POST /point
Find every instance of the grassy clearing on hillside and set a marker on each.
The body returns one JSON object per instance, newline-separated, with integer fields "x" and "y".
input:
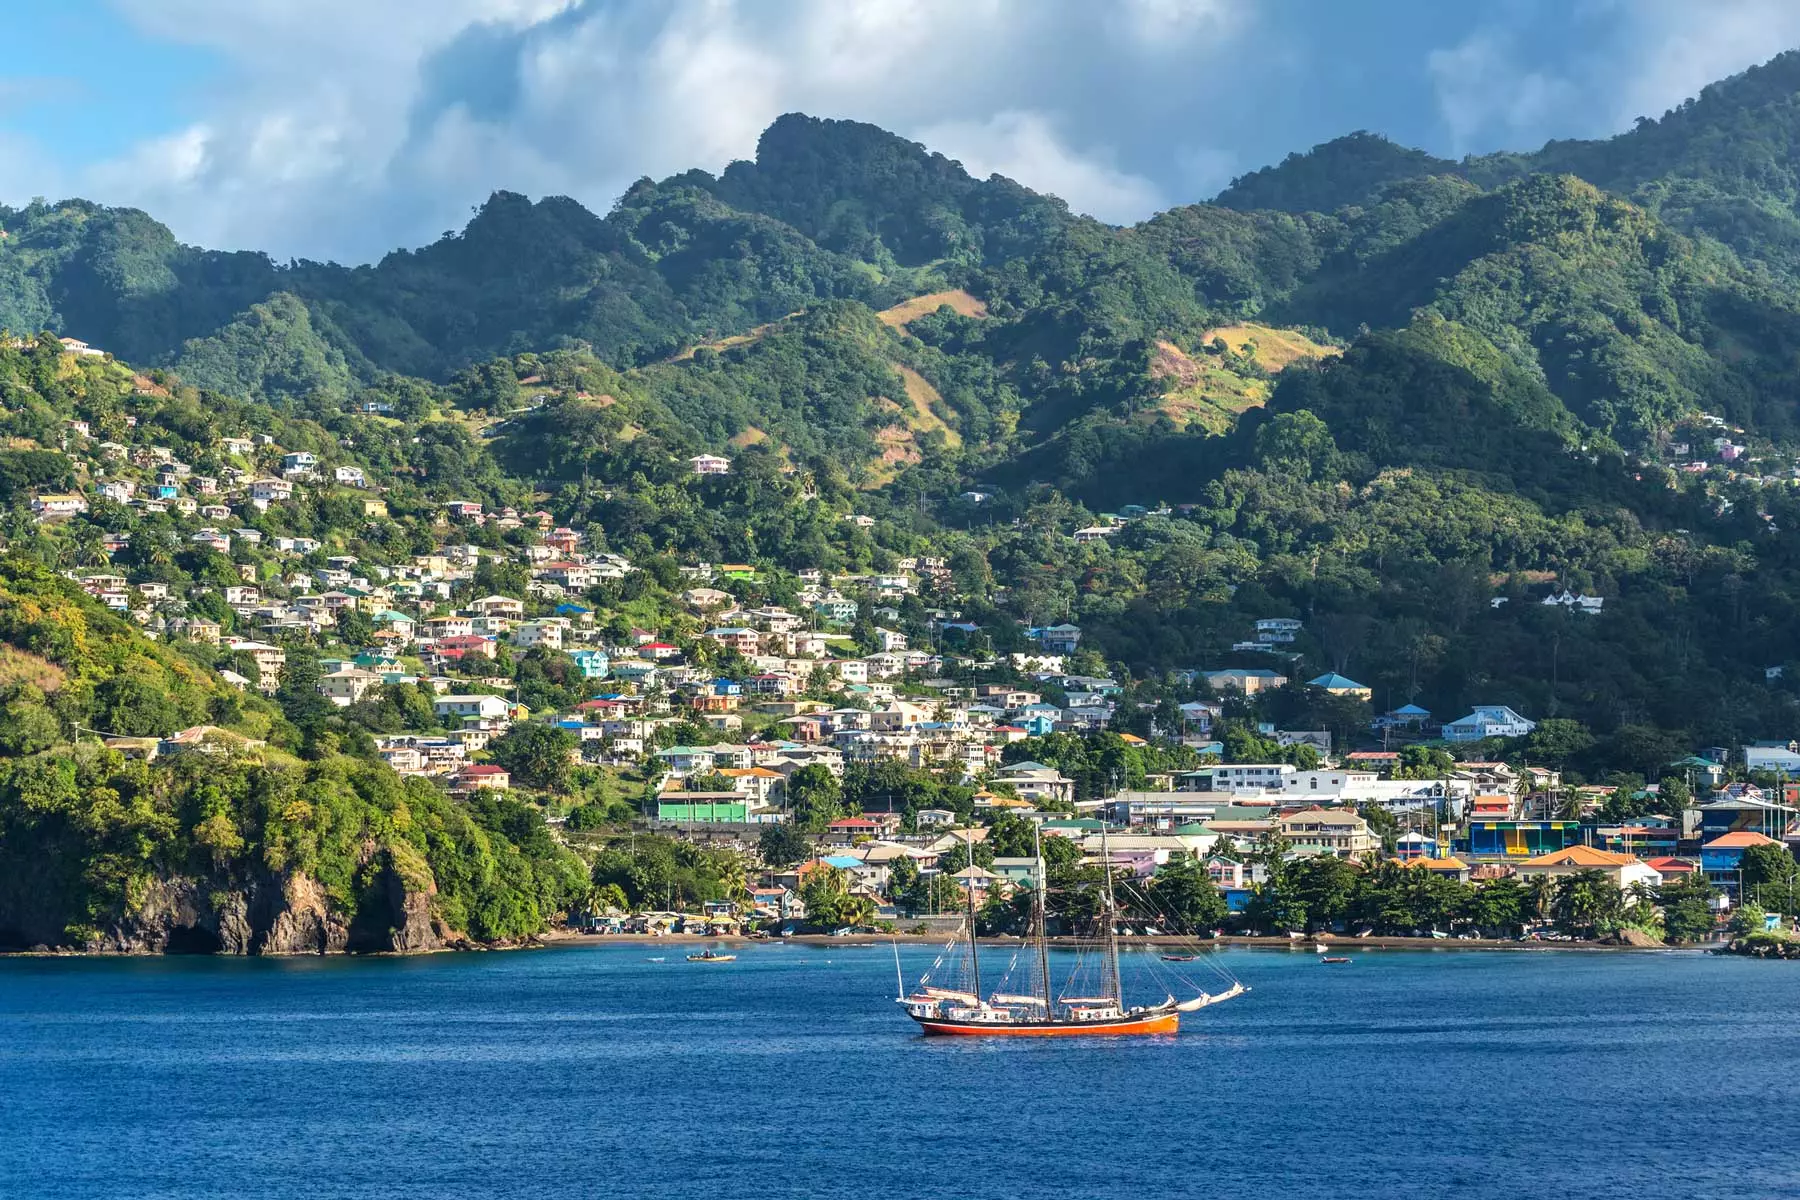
{"x": 907, "y": 311}
{"x": 1275, "y": 348}
{"x": 922, "y": 415}
{"x": 1208, "y": 393}
{"x": 736, "y": 339}
{"x": 21, "y": 666}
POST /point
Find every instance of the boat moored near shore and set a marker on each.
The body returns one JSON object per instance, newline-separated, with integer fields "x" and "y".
{"x": 1037, "y": 1010}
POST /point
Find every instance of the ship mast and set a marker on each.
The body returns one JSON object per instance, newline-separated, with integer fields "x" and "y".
{"x": 1111, "y": 917}
{"x": 969, "y": 892}
{"x": 1042, "y": 932}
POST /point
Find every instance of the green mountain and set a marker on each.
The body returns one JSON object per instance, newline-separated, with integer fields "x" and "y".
{"x": 1719, "y": 165}
{"x": 1366, "y": 386}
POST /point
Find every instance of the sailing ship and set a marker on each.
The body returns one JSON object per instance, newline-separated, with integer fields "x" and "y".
{"x": 1039, "y": 1011}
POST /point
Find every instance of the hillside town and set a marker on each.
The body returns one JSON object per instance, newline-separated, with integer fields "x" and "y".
{"x": 749, "y": 688}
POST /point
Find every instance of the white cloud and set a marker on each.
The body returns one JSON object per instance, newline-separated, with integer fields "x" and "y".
{"x": 1632, "y": 58}
{"x": 345, "y": 127}
{"x": 1024, "y": 146}
{"x": 1168, "y": 24}
{"x": 1484, "y": 95}
{"x": 1681, "y": 47}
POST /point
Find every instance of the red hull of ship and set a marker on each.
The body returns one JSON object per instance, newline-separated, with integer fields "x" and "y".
{"x": 1153, "y": 1023}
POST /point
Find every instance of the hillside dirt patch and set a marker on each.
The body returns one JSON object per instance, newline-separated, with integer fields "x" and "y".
{"x": 21, "y": 666}
{"x": 922, "y": 407}
{"x": 1275, "y": 348}
{"x": 908, "y": 311}
{"x": 736, "y": 339}
{"x": 1203, "y": 391}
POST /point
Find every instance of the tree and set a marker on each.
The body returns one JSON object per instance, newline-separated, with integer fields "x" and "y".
{"x": 1500, "y": 907}
{"x": 784, "y": 845}
{"x": 1556, "y": 740}
{"x": 1182, "y": 896}
{"x": 298, "y": 694}
{"x": 814, "y": 797}
{"x": 138, "y": 704}
{"x": 1586, "y": 904}
{"x": 355, "y": 628}
{"x": 1749, "y": 918}
{"x": 1424, "y": 762}
{"x": 1772, "y": 877}
{"x": 537, "y": 754}
{"x": 26, "y": 723}
{"x": 1673, "y": 794}
{"x": 1324, "y": 885}
{"x": 1687, "y": 908}
{"x": 825, "y": 893}
{"x": 1297, "y": 443}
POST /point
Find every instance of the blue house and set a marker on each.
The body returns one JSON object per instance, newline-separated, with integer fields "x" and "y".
{"x": 1519, "y": 839}
{"x": 1723, "y": 858}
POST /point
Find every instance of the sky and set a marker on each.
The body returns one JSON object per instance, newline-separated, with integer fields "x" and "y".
{"x": 340, "y": 129}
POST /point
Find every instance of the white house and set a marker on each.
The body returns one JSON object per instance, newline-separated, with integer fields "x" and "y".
{"x": 58, "y": 505}
{"x": 1238, "y": 777}
{"x": 1623, "y": 869}
{"x": 538, "y": 633}
{"x": 1591, "y": 605}
{"x": 709, "y": 464}
{"x": 487, "y": 708}
{"x": 1488, "y": 720}
{"x": 1773, "y": 756}
{"x": 1035, "y": 781}
{"x": 1272, "y": 630}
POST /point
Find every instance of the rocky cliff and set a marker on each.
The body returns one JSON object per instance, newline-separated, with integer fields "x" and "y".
{"x": 276, "y": 915}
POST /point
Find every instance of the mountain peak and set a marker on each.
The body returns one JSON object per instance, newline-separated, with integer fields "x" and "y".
{"x": 1332, "y": 175}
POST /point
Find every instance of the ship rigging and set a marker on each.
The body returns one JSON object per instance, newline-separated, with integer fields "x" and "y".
{"x": 1042, "y": 1009}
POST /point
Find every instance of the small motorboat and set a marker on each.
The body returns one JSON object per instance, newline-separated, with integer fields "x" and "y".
{"x": 707, "y": 956}
{"x": 1334, "y": 959}
{"x": 657, "y": 958}
{"x": 1178, "y": 958}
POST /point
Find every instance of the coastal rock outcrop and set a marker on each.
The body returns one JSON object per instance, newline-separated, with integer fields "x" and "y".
{"x": 289, "y": 914}
{"x": 1763, "y": 945}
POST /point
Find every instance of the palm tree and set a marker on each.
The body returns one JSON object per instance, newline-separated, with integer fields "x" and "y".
{"x": 857, "y": 910}
{"x": 734, "y": 881}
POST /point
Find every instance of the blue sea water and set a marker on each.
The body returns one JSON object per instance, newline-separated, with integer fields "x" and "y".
{"x": 593, "y": 1072}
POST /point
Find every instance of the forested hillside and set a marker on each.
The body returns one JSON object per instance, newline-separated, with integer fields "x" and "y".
{"x": 1402, "y": 399}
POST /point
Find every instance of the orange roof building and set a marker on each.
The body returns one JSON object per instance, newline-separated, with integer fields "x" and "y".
{"x": 1623, "y": 869}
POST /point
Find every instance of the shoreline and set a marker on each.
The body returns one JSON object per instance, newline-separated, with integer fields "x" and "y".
{"x": 1155, "y": 942}
{"x": 560, "y": 938}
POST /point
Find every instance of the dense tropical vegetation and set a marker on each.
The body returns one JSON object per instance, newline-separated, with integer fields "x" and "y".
{"x": 1399, "y": 397}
